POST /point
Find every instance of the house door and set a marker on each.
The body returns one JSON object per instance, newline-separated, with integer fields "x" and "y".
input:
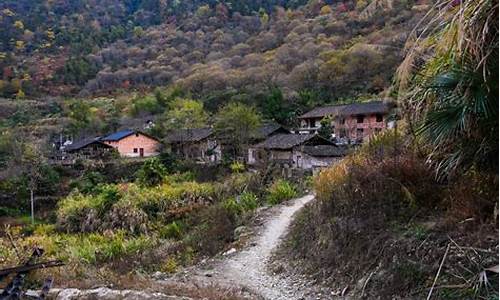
{"x": 141, "y": 152}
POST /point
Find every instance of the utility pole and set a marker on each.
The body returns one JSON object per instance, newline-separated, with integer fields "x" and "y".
{"x": 32, "y": 207}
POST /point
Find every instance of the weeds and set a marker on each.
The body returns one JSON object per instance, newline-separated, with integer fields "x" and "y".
{"x": 371, "y": 211}
{"x": 280, "y": 191}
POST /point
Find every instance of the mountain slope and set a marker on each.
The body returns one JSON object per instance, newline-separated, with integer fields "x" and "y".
{"x": 214, "y": 51}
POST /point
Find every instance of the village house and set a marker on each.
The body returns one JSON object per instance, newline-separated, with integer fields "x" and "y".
{"x": 265, "y": 131}
{"x": 87, "y": 149}
{"x": 133, "y": 143}
{"x": 197, "y": 144}
{"x": 296, "y": 151}
{"x": 351, "y": 123}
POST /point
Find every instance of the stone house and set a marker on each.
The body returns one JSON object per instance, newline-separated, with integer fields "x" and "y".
{"x": 296, "y": 151}
{"x": 197, "y": 144}
{"x": 133, "y": 143}
{"x": 351, "y": 123}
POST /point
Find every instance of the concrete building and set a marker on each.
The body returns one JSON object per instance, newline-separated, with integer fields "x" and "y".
{"x": 132, "y": 143}
{"x": 351, "y": 123}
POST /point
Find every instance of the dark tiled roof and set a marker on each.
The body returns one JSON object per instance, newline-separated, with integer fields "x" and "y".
{"x": 269, "y": 128}
{"x": 189, "y": 135}
{"x": 288, "y": 141}
{"x": 372, "y": 107}
{"x": 325, "y": 150}
{"x": 84, "y": 143}
{"x": 118, "y": 135}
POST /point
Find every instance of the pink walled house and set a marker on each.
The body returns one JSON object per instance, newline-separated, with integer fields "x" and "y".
{"x": 131, "y": 143}
{"x": 352, "y": 123}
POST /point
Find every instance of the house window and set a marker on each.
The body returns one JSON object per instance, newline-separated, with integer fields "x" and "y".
{"x": 342, "y": 121}
{"x": 379, "y": 117}
{"x": 135, "y": 150}
{"x": 360, "y": 118}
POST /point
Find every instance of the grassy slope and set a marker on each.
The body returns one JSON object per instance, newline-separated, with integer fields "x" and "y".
{"x": 381, "y": 225}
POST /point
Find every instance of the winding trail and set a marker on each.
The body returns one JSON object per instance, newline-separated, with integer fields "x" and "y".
{"x": 248, "y": 268}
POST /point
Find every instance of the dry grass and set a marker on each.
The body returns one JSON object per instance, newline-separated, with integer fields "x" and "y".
{"x": 381, "y": 223}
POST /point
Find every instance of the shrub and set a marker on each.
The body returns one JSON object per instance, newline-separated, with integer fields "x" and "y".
{"x": 152, "y": 172}
{"x": 131, "y": 206}
{"x": 237, "y": 167}
{"x": 279, "y": 191}
{"x": 170, "y": 266}
{"x": 240, "y": 182}
{"x": 74, "y": 211}
{"x": 88, "y": 182}
{"x": 213, "y": 229}
{"x": 171, "y": 231}
{"x": 90, "y": 248}
{"x": 232, "y": 206}
{"x": 248, "y": 201}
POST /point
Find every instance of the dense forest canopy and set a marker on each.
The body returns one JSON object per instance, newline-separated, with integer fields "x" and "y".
{"x": 217, "y": 50}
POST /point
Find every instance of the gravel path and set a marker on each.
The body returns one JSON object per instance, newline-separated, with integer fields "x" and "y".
{"x": 248, "y": 269}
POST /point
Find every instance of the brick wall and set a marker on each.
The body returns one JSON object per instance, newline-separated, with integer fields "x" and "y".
{"x": 354, "y": 130}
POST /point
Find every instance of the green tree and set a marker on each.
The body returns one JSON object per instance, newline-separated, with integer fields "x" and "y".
{"x": 83, "y": 118}
{"x": 236, "y": 124}
{"x": 326, "y": 128}
{"x": 275, "y": 108}
{"x": 185, "y": 114}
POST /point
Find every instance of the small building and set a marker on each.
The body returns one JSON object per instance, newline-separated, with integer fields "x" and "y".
{"x": 133, "y": 143}
{"x": 197, "y": 144}
{"x": 301, "y": 151}
{"x": 87, "y": 148}
{"x": 351, "y": 123}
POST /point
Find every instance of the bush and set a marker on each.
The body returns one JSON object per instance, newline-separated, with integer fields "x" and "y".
{"x": 152, "y": 172}
{"x": 240, "y": 182}
{"x": 213, "y": 228}
{"x": 237, "y": 167}
{"x": 248, "y": 201}
{"x": 232, "y": 206}
{"x": 90, "y": 248}
{"x": 279, "y": 191}
{"x": 131, "y": 206}
{"x": 171, "y": 231}
{"x": 88, "y": 182}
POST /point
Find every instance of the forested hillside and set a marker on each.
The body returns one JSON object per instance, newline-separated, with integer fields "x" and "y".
{"x": 311, "y": 50}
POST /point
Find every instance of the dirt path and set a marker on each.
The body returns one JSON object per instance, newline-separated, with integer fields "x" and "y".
{"x": 248, "y": 268}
